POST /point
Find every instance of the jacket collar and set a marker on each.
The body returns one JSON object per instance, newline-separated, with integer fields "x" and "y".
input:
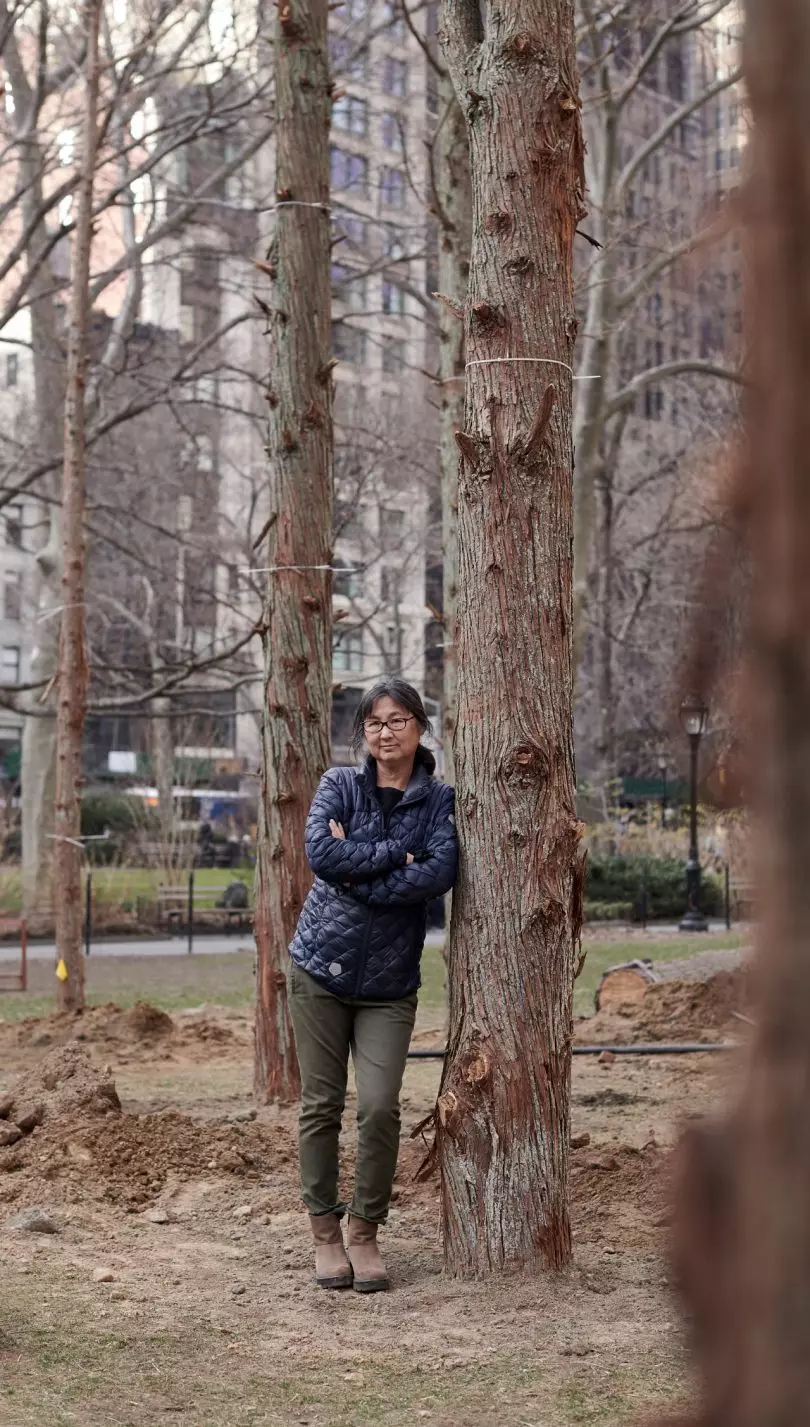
{"x": 417, "y": 788}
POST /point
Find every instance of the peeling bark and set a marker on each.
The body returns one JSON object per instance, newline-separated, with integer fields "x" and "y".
{"x": 297, "y": 624}
{"x": 72, "y": 678}
{"x": 503, "y": 1113}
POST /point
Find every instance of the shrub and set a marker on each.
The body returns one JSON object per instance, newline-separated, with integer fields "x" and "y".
{"x": 621, "y": 880}
{"x": 608, "y": 911}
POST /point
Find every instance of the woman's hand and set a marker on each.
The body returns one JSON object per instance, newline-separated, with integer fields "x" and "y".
{"x": 337, "y": 830}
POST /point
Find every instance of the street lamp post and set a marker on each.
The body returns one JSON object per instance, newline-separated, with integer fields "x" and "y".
{"x": 694, "y": 718}
{"x": 662, "y": 768}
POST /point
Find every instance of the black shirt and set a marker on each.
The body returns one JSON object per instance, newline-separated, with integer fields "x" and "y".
{"x": 389, "y": 798}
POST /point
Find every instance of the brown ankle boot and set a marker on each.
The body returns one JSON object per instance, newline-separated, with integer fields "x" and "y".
{"x": 364, "y": 1256}
{"x": 332, "y": 1268}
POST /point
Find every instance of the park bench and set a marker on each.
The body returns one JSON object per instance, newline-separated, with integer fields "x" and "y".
{"x": 172, "y": 904}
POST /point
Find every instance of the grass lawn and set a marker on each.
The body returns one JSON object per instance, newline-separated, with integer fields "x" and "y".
{"x": 122, "y": 885}
{"x": 177, "y": 982}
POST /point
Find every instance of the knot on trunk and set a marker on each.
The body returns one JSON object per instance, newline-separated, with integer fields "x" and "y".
{"x": 500, "y": 223}
{"x": 525, "y": 766}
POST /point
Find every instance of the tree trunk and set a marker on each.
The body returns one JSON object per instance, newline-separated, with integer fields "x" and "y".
{"x": 455, "y": 220}
{"x": 298, "y": 623}
{"x": 503, "y": 1111}
{"x": 163, "y": 772}
{"x": 72, "y": 668}
{"x": 744, "y": 1239}
{"x": 607, "y": 707}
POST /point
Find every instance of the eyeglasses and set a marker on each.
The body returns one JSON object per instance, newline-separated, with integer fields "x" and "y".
{"x": 395, "y": 724}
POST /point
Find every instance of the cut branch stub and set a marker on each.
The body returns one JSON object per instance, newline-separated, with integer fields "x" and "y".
{"x": 540, "y": 423}
{"x": 471, "y": 448}
{"x": 451, "y": 306}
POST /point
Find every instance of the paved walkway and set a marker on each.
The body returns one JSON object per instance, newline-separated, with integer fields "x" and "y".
{"x": 169, "y": 946}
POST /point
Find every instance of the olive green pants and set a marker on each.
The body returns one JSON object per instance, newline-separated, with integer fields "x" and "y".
{"x": 376, "y": 1034}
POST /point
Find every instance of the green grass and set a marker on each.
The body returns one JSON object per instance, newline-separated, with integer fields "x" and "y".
{"x": 126, "y": 884}
{"x": 178, "y": 982}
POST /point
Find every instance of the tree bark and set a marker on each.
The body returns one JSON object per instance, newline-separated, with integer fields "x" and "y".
{"x": 503, "y": 1110}
{"x": 607, "y": 705}
{"x": 298, "y": 623}
{"x": 744, "y": 1237}
{"x": 455, "y": 223}
{"x": 72, "y": 668}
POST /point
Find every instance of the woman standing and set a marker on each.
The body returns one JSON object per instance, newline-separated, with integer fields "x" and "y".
{"x": 381, "y": 840}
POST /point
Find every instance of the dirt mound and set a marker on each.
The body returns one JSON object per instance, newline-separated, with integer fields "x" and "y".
{"x": 635, "y": 1181}
{"x": 671, "y": 1011}
{"x": 146, "y": 1020}
{"x": 117, "y": 1029}
{"x": 79, "y": 1141}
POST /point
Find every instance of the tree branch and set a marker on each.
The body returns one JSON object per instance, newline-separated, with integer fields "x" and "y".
{"x": 688, "y": 367}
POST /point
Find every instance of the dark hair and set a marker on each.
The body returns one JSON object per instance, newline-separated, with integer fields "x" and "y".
{"x": 408, "y": 698}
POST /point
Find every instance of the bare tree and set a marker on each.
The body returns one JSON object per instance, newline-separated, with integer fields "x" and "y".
{"x": 181, "y": 118}
{"x": 297, "y": 633}
{"x": 72, "y": 665}
{"x": 503, "y": 1117}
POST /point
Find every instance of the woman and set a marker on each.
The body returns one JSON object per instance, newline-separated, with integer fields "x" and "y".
{"x": 381, "y": 840}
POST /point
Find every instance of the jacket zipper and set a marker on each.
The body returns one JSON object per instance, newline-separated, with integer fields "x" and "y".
{"x": 361, "y": 970}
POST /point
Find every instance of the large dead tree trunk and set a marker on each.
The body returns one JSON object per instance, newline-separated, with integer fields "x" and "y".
{"x": 454, "y": 204}
{"x": 744, "y": 1239}
{"x": 503, "y": 1110}
{"x": 72, "y": 668}
{"x": 297, "y": 638}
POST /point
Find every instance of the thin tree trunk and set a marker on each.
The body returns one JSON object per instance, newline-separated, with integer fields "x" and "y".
{"x": 72, "y": 668}
{"x": 607, "y": 707}
{"x": 298, "y": 624}
{"x": 503, "y": 1111}
{"x": 163, "y": 771}
{"x": 455, "y": 220}
{"x": 744, "y": 1238}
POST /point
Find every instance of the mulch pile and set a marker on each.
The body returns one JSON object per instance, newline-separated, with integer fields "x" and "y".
{"x": 80, "y": 1143}
{"x": 620, "y": 1176}
{"x": 677, "y": 1011}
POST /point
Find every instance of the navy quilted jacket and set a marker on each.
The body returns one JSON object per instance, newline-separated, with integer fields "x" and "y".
{"x": 362, "y": 928}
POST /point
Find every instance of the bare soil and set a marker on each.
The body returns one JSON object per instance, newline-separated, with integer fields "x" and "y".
{"x": 142, "y": 1150}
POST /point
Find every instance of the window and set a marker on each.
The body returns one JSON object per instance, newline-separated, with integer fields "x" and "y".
{"x": 354, "y": 10}
{"x": 14, "y": 526}
{"x": 393, "y": 299}
{"x": 351, "y": 115}
{"x": 734, "y": 156}
{"x": 349, "y": 58}
{"x": 394, "y": 243}
{"x": 392, "y": 187}
{"x": 347, "y": 650}
{"x": 394, "y": 20}
{"x": 392, "y": 525}
{"x": 352, "y": 229}
{"x": 389, "y": 583}
{"x": 12, "y": 368}
{"x": 349, "y": 521}
{"x": 393, "y": 132}
{"x": 395, "y": 77}
{"x": 349, "y": 171}
{"x": 349, "y": 286}
{"x": 349, "y": 343}
{"x": 719, "y": 161}
{"x": 12, "y": 596}
{"x": 393, "y": 355}
{"x": 347, "y": 581}
{"x": 653, "y": 402}
{"x": 66, "y": 147}
{"x": 10, "y": 664}
{"x": 675, "y": 74}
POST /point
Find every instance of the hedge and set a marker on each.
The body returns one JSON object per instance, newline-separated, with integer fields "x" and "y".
{"x": 614, "y": 880}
